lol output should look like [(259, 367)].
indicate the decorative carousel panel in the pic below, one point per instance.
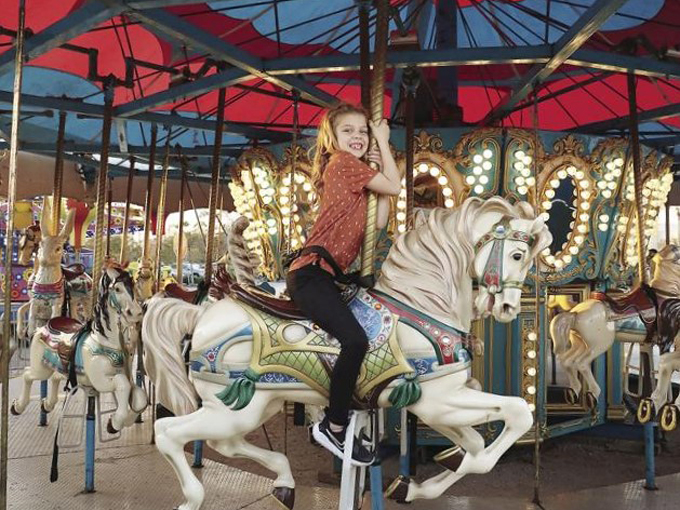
[(520, 164), (565, 200), (436, 182), (297, 197), (254, 193), (656, 184), (478, 158)]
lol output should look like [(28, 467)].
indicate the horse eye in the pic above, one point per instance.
[(517, 256)]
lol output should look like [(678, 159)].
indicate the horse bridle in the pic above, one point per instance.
[(493, 269)]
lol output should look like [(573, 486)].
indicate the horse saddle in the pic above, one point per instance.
[(283, 308), (73, 271), (641, 301), (298, 351), (177, 291), (59, 338)]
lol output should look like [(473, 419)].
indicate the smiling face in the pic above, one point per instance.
[(351, 133)]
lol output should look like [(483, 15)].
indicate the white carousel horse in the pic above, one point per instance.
[(99, 353), (50, 282), (648, 314), (430, 270)]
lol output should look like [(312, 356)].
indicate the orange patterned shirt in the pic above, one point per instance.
[(342, 219)]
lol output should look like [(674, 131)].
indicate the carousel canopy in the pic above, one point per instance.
[(558, 64)]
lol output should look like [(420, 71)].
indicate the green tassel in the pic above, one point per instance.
[(407, 393), (239, 394)]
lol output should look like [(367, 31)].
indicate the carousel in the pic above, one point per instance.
[(521, 290)]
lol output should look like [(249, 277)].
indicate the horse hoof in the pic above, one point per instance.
[(591, 401), (13, 409), (285, 496), (43, 408), (645, 410), (669, 417), (451, 458), (570, 396), (398, 489), (110, 428)]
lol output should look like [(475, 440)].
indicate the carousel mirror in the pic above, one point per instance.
[(565, 206)]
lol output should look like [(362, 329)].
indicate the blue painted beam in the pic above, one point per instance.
[(200, 40), (93, 148), (655, 114), (589, 22), (78, 22), (665, 141), (177, 120)]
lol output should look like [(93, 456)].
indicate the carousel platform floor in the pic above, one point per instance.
[(130, 474)]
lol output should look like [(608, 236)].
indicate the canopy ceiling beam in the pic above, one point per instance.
[(666, 141), (589, 22), (94, 110), (655, 114), (200, 40), (95, 148), (78, 22)]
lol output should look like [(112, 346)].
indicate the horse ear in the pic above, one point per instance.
[(111, 273), (45, 220), (68, 224)]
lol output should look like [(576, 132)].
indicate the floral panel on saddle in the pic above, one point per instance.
[(310, 359)]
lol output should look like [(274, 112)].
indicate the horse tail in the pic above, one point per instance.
[(560, 327), (166, 322)]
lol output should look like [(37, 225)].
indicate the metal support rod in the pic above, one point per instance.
[(180, 228), (377, 98), (148, 201), (214, 183), (126, 216), (102, 179), (9, 241), (198, 455), (637, 177), (160, 212), (90, 423), (410, 85), (58, 173)]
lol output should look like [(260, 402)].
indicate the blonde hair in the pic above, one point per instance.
[(326, 142)]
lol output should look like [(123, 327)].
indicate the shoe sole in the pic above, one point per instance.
[(321, 438)]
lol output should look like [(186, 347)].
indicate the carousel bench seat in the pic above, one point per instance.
[(73, 271), (284, 308)]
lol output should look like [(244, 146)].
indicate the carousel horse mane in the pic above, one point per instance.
[(667, 270), (101, 309), (441, 249), (242, 260)]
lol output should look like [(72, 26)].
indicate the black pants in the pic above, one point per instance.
[(315, 293)]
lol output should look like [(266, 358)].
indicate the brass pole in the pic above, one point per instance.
[(160, 212), (538, 347), (148, 202), (637, 177), (214, 183), (364, 53), (126, 216), (58, 173), (180, 231), (377, 98), (410, 85), (102, 179), (293, 164), (109, 215), (9, 241)]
